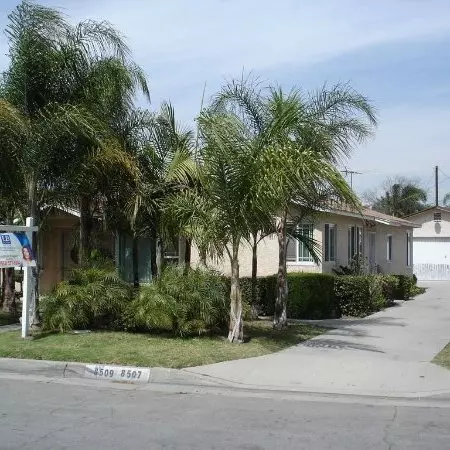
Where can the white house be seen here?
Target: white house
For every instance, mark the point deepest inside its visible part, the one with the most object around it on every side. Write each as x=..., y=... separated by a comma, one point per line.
x=432, y=243
x=385, y=242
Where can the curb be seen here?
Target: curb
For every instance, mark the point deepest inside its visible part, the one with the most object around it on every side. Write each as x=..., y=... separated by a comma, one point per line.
x=62, y=369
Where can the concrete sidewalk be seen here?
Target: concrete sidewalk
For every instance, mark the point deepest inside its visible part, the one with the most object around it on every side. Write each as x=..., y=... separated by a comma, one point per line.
x=386, y=354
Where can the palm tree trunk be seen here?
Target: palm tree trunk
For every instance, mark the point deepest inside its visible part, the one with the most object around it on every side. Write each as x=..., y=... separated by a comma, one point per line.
x=236, y=329
x=33, y=212
x=280, y=315
x=135, y=257
x=85, y=229
x=187, y=253
x=9, y=293
x=159, y=256
x=36, y=318
x=254, y=282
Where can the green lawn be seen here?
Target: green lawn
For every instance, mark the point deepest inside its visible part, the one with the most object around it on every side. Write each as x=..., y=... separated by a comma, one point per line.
x=443, y=357
x=7, y=319
x=152, y=350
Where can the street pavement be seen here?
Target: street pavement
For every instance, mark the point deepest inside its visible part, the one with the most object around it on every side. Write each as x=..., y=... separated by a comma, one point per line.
x=85, y=414
x=386, y=354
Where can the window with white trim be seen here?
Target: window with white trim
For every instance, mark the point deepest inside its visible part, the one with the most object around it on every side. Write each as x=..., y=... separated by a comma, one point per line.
x=408, y=249
x=172, y=252
x=355, y=242
x=389, y=248
x=297, y=251
x=329, y=242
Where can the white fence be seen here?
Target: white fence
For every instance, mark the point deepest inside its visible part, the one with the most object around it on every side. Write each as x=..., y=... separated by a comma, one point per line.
x=429, y=272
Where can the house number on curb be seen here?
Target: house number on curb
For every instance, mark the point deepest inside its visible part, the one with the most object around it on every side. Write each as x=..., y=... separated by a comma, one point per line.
x=117, y=373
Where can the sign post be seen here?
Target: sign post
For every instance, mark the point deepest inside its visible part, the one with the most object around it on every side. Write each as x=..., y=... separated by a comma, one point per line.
x=16, y=250
x=27, y=286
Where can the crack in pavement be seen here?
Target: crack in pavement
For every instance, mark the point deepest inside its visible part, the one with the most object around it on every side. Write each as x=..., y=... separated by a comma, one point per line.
x=388, y=428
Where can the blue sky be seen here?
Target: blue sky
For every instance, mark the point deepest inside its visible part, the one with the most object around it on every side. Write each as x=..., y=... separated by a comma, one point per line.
x=397, y=52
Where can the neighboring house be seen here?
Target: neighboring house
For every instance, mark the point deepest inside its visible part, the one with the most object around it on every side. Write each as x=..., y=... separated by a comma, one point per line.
x=432, y=243
x=384, y=242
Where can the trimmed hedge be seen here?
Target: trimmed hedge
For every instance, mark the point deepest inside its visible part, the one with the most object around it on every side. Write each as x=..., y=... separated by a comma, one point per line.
x=312, y=296
x=405, y=288
x=324, y=296
x=360, y=295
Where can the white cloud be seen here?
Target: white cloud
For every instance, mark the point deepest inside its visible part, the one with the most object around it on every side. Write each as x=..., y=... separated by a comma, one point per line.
x=181, y=44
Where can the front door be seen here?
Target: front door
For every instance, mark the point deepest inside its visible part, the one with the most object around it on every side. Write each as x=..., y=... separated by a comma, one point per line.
x=372, y=253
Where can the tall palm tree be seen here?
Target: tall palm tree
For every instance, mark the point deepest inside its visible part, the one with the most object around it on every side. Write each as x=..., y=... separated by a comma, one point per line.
x=300, y=137
x=221, y=212
x=163, y=152
x=57, y=71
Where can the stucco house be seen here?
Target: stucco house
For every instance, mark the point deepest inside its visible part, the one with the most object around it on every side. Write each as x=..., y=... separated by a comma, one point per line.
x=58, y=254
x=385, y=243
x=432, y=243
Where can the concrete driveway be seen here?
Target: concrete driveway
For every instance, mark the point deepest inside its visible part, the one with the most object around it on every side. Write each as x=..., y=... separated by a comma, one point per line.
x=386, y=354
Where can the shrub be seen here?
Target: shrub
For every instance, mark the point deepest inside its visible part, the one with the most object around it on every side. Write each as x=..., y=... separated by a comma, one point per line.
x=389, y=286
x=360, y=295
x=94, y=297
x=191, y=302
x=265, y=294
x=312, y=296
x=406, y=284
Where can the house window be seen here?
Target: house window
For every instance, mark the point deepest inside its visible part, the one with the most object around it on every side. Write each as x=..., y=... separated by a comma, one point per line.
x=408, y=249
x=389, y=248
x=355, y=242
x=437, y=216
x=330, y=242
x=297, y=250
x=172, y=252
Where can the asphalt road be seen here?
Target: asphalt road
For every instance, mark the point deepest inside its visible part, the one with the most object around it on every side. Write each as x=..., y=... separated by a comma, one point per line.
x=43, y=415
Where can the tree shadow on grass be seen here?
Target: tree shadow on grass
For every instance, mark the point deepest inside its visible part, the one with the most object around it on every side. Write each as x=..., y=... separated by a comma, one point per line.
x=263, y=332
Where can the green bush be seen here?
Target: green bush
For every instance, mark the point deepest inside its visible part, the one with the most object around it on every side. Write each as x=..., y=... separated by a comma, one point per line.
x=406, y=285
x=192, y=302
x=390, y=285
x=360, y=295
x=265, y=294
x=312, y=296
x=94, y=297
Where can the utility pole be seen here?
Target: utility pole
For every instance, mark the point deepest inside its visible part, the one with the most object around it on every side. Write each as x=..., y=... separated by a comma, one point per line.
x=351, y=173
x=436, y=180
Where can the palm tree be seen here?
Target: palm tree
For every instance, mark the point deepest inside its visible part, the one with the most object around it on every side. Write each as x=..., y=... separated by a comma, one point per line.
x=163, y=152
x=402, y=198
x=221, y=212
x=300, y=138
x=446, y=200
x=57, y=72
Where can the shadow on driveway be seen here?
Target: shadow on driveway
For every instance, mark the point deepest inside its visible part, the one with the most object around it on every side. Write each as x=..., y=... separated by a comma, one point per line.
x=336, y=344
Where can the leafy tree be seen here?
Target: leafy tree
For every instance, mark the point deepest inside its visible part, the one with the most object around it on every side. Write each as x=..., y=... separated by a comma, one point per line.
x=401, y=197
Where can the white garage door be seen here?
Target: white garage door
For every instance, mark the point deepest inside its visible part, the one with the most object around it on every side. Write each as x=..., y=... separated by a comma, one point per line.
x=432, y=258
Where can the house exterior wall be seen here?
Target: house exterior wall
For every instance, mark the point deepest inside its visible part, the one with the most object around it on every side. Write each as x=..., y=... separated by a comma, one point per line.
x=51, y=248
x=432, y=245
x=268, y=249
x=430, y=228
x=56, y=241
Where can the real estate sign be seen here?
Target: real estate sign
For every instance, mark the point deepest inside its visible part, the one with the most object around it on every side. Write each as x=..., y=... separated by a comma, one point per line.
x=15, y=250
